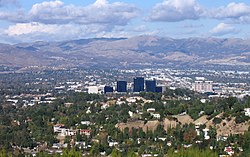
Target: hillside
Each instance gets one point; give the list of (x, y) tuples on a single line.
[(132, 52), (225, 127)]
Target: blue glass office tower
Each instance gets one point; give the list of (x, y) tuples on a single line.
[(150, 85), (121, 86), (158, 89), (138, 84), (108, 89)]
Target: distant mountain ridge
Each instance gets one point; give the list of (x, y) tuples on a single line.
[(128, 52)]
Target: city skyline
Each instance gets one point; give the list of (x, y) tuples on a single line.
[(26, 21)]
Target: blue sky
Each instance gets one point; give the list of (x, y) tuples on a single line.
[(36, 20)]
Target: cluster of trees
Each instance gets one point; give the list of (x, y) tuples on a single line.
[(232, 106), (169, 93), (36, 123), (192, 152)]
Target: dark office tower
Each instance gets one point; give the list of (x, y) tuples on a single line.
[(138, 84), (158, 89), (108, 89), (150, 85), (121, 86)]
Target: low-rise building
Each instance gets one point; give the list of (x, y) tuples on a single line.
[(247, 112), (85, 132)]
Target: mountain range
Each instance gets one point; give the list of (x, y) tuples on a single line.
[(128, 52)]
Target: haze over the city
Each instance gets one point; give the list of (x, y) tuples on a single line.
[(39, 20)]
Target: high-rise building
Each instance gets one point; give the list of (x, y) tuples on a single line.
[(158, 89), (108, 89), (208, 86), (150, 85), (121, 86), (138, 84), (203, 86), (198, 86)]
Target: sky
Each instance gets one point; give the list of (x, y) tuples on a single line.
[(56, 20)]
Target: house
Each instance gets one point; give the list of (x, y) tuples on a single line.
[(131, 99), (206, 136), (85, 132), (134, 99), (130, 113), (112, 144), (104, 106), (247, 112), (88, 111), (169, 144), (58, 145), (162, 138), (156, 115), (187, 145), (229, 151), (68, 104), (222, 138), (68, 132), (85, 123), (15, 101), (151, 110), (149, 155), (203, 101), (58, 128), (80, 144)]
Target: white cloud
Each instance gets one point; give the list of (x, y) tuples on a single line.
[(46, 7), (176, 10), (34, 31), (100, 3), (29, 28), (223, 29), (192, 26), (50, 19), (239, 12), (113, 34), (3, 15), (141, 28), (101, 12)]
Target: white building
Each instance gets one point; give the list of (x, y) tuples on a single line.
[(93, 90), (112, 144), (85, 123), (208, 86), (85, 132), (229, 151), (151, 110), (156, 115), (58, 128), (130, 113), (206, 136), (203, 86), (247, 112)]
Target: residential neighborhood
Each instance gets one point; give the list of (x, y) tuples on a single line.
[(81, 115)]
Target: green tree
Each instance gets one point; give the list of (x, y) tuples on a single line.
[(192, 152), (131, 153), (95, 150), (141, 133), (116, 153), (3, 153), (71, 153)]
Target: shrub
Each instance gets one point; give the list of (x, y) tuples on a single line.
[(217, 120)]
